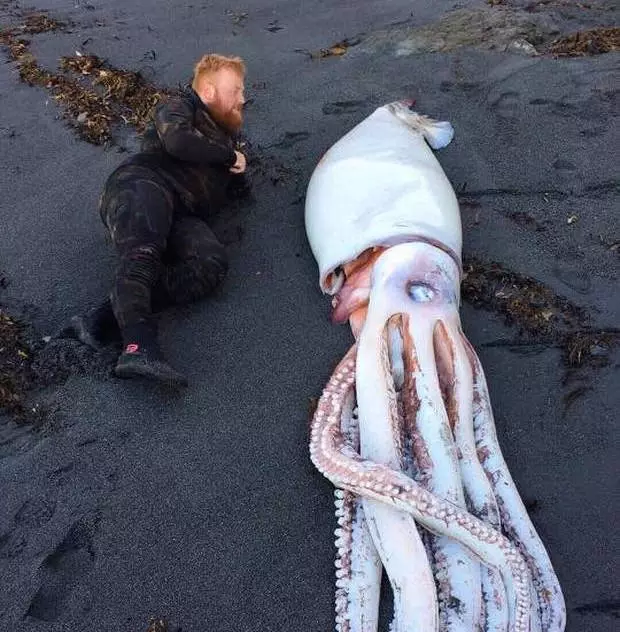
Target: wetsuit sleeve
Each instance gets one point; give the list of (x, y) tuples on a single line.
[(174, 122)]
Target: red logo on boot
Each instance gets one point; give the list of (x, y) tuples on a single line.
[(132, 348)]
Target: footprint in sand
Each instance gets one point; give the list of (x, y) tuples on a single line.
[(35, 512), (62, 569), (291, 138), (343, 107)]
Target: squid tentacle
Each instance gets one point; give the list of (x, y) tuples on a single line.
[(457, 573), (413, 291), (515, 520), (358, 566), (394, 532), (347, 469), (457, 386)]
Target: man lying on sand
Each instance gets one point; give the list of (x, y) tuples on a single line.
[(156, 205)]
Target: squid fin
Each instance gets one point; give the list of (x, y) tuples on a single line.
[(438, 134)]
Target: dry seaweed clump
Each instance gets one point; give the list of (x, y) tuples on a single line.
[(335, 50), (591, 42), (30, 363), (158, 624), (538, 312), (591, 347), (15, 356), (95, 100), (33, 24), (40, 23), (521, 300), (130, 96), (85, 109)]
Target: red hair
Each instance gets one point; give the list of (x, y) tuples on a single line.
[(208, 65)]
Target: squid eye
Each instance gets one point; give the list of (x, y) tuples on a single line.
[(420, 292)]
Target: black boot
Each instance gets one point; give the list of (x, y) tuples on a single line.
[(95, 328), (142, 357)]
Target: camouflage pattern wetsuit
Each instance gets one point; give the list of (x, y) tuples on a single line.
[(154, 206)]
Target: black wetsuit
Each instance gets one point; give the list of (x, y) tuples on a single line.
[(155, 206)]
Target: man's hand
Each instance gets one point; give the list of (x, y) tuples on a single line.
[(239, 166)]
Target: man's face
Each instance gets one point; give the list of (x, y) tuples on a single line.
[(224, 95)]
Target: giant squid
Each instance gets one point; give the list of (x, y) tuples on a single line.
[(404, 428)]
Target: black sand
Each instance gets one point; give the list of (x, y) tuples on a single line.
[(120, 502)]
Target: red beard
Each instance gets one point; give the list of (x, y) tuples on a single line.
[(230, 119)]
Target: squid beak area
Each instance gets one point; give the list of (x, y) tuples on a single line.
[(355, 291)]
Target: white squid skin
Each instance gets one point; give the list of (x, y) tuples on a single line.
[(395, 533), (405, 429)]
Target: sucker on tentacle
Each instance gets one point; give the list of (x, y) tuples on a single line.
[(358, 567), (346, 469), (424, 490), (455, 374), (515, 520)]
